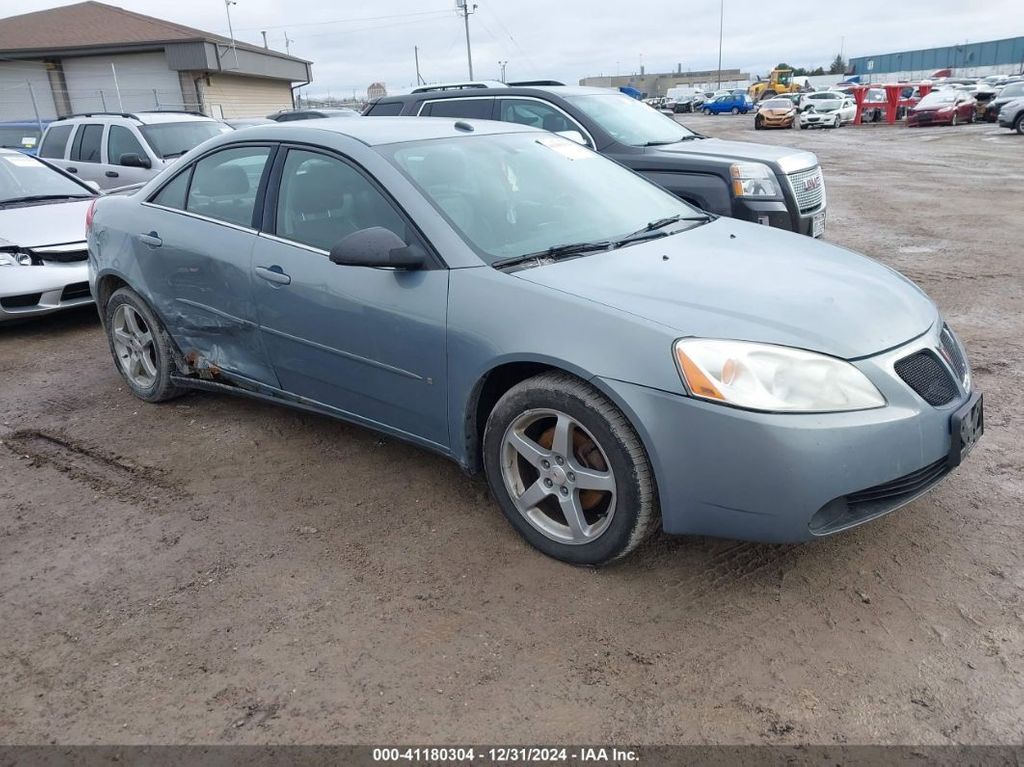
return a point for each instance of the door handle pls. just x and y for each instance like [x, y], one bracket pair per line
[152, 239]
[111, 174]
[71, 170]
[274, 274]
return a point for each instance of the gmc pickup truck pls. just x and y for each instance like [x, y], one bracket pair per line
[770, 185]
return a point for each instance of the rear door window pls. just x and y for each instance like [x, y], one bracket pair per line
[537, 114]
[479, 109]
[224, 184]
[86, 147]
[55, 142]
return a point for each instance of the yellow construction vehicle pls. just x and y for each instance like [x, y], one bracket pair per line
[779, 81]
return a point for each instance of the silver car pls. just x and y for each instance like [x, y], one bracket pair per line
[42, 238]
[612, 358]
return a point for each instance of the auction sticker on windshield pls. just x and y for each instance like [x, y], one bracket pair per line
[567, 148]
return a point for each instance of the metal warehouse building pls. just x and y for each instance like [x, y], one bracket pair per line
[96, 57]
[968, 60]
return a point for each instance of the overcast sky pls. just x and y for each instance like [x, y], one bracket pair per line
[352, 44]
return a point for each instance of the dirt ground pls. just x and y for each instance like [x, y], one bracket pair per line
[215, 570]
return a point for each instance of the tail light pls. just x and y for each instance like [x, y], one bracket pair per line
[89, 215]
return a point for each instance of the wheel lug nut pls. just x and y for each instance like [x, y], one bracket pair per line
[547, 483]
[572, 477]
[560, 460]
[546, 464]
[565, 490]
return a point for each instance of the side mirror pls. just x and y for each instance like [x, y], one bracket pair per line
[133, 160]
[377, 247]
[573, 135]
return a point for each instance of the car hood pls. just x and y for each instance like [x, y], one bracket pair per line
[735, 280]
[33, 226]
[789, 159]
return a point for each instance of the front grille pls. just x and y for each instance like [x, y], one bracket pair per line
[809, 188]
[872, 502]
[20, 302]
[953, 351]
[61, 256]
[905, 486]
[75, 290]
[924, 373]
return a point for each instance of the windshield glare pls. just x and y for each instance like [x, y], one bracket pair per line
[629, 121]
[23, 176]
[174, 139]
[514, 194]
[938, 97]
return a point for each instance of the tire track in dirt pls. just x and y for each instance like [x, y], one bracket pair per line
[106, 474]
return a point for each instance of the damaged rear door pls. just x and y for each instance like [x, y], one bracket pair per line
[194, 244]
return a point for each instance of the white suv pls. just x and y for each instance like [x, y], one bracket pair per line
[116, 149]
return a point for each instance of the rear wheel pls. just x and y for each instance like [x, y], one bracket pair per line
[140, 346]
[735, 110]
[569, 471]
[835, 123]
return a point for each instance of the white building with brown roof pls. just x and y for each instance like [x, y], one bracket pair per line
[91, 57]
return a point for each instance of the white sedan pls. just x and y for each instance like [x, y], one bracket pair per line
[826, 110]
[43, 265]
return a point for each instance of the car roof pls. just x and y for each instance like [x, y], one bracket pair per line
[510, 90]
[375, 131]
[146, 118]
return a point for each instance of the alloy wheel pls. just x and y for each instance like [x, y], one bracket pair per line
[558, 476]
[134, 347]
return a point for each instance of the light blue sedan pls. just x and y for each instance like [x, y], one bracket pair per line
[612, 358]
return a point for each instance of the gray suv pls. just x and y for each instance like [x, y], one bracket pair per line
[770, 185]
[119, 148]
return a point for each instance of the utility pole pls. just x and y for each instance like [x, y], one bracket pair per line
[503, 64]
[231, 31]
[287, 43]
[264, 33]
[416, 53]
[35, 107]
[721, 26]
[117, 87]
[463, 5]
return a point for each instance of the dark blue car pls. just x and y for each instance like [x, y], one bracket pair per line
[23, 135]
[737, 102]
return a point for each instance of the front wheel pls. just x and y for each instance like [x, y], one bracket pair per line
[956, 119]
[835, 123]
[1018, 124]
[735, 110]
[140, 346]
[569, 471]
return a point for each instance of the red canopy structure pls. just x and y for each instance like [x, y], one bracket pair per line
[893, 100]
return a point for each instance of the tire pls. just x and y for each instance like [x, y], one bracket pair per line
[142, 354]
[707, 112]
[599, 437]
[735, 110]
[956, 120]
[758, 125]
[835, 124]
[1018, 124]
[803, 126]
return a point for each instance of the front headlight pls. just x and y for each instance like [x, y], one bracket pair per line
[15, 259]
[753, 179]
[772, 378]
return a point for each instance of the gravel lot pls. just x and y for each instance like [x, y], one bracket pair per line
[215, 570]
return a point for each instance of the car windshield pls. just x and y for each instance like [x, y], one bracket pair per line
[629, 121]
[13, 137]
[515, 194]
[174, 139]
[936, 98]
[1013, 89]
[23, 177]
[777, 104]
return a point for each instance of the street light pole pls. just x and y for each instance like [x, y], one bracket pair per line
[231, 32]
[503, 64]
[721, 25]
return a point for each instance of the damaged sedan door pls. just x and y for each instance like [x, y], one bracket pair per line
[193, 246]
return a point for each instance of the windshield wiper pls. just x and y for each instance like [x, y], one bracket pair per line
[169, 155]
[42, 197]
[650, 231]
[552, 254]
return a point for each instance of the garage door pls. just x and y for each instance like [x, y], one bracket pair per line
[143, 80]
[19, 81]
[235, 96]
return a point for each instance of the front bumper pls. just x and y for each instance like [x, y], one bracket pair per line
[1005, 121]
[818, 119]
[734, 473]
[32, 291]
